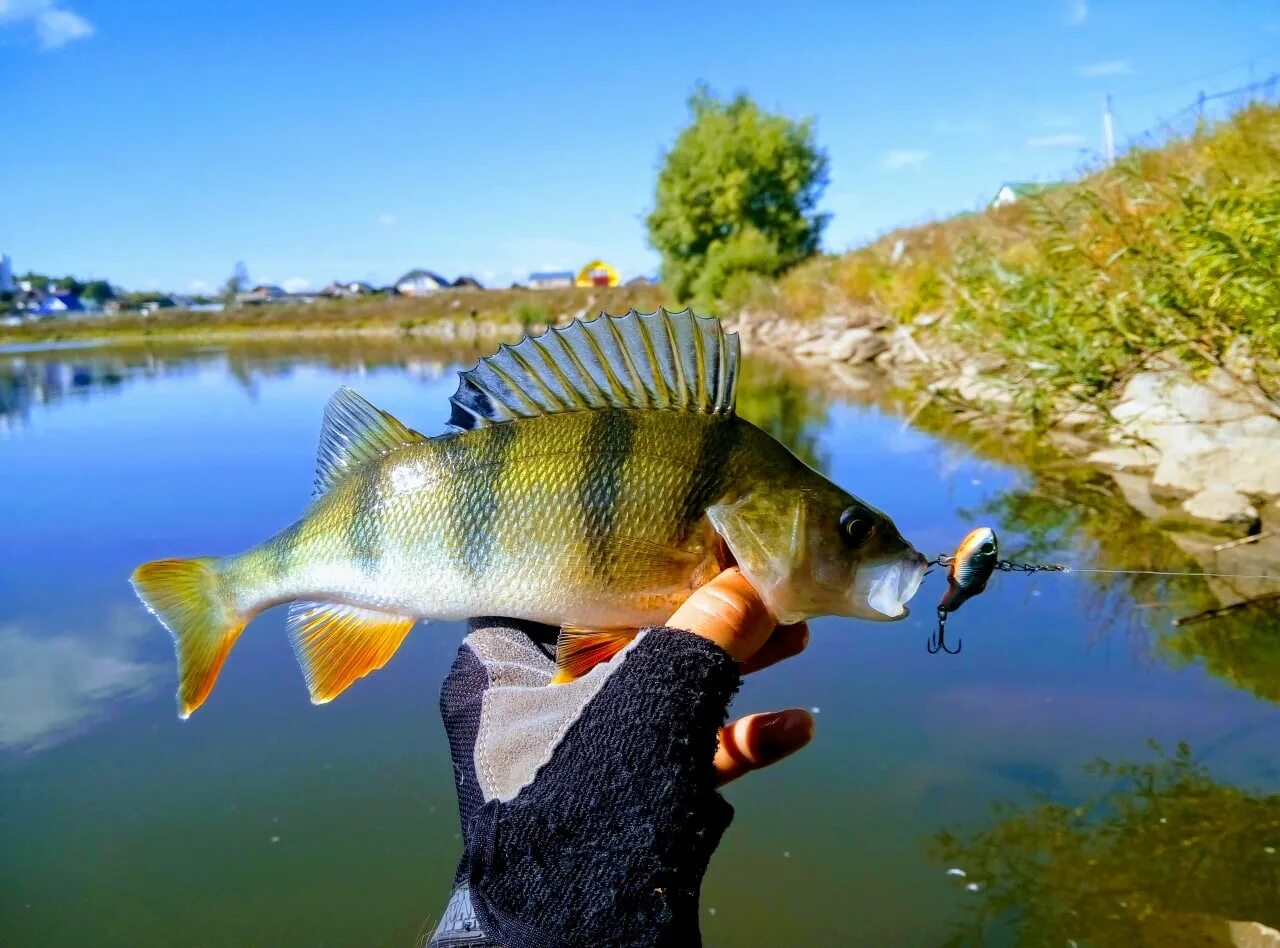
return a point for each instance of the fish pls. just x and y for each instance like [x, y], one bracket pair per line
[590, 477]
[971, 566]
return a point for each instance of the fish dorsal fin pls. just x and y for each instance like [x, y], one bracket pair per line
[354, 432]
[660, 361]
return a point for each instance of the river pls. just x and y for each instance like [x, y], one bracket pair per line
[1031, 787]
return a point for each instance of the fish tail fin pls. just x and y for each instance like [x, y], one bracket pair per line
[192, 601]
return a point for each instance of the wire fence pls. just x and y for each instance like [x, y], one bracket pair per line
[1207, 109]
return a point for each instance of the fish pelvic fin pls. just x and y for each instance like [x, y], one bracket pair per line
[580, 650]
[191, 600]
[660, 361]
[336, 643]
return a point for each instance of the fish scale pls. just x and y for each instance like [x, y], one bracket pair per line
[591, 478]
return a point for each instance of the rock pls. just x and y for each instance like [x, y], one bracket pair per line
[1136, 489]
[857, 345]
[1222, 504]
[1126, 457]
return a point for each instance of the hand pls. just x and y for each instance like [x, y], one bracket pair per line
[729, 612]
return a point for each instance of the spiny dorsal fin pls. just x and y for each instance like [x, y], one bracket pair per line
[354, 432]
[661, 361]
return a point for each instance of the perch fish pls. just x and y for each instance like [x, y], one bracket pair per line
[591, 477]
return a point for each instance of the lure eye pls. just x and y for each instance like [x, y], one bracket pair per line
[856, 525]
[988, 547]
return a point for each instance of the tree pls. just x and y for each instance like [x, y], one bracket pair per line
[737, 193]
[236, 284]
[98, 290]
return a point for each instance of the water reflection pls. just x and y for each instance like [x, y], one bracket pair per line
[1162, 853]
[54, 684]
[958, 731]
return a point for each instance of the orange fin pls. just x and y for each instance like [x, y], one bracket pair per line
[336, 643]
[580, 650]
[191, 601]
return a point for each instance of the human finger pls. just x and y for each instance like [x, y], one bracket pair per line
[786, 641]
[729, 612]
[759, 740]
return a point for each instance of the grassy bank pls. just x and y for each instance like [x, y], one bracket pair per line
[1172, 255]
[376, 315]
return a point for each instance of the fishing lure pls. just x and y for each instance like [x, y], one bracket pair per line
[968, 570]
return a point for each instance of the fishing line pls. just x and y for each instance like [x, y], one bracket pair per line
[975, 560]
[1139, 572]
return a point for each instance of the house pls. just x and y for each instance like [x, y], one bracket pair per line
[59, 304]
[344, 290]
[1011, 192]
[641, 281]
[597, 273]
[263, 293]
[551, 280]
[420, 283]
[467, 283]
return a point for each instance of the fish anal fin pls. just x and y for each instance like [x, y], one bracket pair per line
[336, 643]
[580, 650]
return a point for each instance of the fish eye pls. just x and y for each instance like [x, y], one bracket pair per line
[856, 525]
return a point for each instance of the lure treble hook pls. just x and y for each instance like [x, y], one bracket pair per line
[938, 638]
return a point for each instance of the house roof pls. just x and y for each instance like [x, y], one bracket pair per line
[1025, 189]
[418, 274]
[469, 281]
[552, 275]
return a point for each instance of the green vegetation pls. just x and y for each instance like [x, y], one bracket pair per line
[1172, 255]
[1165, 855]
[736, 198]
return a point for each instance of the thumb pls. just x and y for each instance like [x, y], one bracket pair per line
[729, 612]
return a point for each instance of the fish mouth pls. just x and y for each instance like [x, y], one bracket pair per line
[895, 584]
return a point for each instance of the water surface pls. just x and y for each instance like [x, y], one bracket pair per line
[266, 820]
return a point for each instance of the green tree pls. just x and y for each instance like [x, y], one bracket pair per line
[737, 193]
[98, 290]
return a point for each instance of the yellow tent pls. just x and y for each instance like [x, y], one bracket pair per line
[597, 273]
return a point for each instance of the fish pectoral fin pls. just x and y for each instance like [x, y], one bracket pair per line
[580, 650]
[337, 643]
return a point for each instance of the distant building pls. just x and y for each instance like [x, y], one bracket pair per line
[59, 304]
[1011, 192]
[551, 280]
[6, 274]
[343, 290]
[641, 281]
[467, 283]
[597, 273]
[420, 283]
[263, 293]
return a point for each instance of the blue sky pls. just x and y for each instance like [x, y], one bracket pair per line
[157, 143]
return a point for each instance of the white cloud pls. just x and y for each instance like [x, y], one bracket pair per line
[295, 284]
[388, 220]
[1060, 140]
[53, 685]
[54, 26]
[896, 158]
[1108, 67]
[1077, 13]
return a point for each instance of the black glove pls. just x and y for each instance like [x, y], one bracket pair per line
[589, 810]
